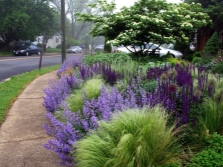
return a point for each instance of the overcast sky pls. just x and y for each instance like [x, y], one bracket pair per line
[127, 3]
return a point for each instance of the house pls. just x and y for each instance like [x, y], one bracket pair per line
[51, 42]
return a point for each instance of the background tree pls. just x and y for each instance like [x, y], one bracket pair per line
[213, 44]
[24, 19]
[214, 8]
[78, 28]
[14, 19]
[101, 10]
[47, 24]
[146, 21]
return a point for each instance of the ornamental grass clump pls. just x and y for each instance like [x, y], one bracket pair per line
[91, 89]
[128, 69]
[213, 114]
[133, 138]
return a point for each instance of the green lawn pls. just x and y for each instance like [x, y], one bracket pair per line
[11, 89]
[48, 50]
[6, 53]
[53, 50]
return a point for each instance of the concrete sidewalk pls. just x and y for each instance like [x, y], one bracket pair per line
[22, 135]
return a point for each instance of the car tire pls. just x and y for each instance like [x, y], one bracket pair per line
[173, 55]
[27, 53]
[38, 53]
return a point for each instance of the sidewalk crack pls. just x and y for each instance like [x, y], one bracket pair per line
[24, 140]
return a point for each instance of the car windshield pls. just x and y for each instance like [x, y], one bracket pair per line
[73, 47]
[23, 47]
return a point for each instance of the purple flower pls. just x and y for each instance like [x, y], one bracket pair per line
[172, 88]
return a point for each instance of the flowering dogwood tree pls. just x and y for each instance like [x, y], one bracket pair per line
[146, 21]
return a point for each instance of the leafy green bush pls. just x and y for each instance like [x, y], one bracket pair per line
[180, 46]
[70, 41]
[197, 60]
[135, 137]
[196, 54]
[213, 44]
[149, 85]
[206, 60]
[106, 58]
[91, 88]
[59, 46]
[185, 49]
[107, 47]
[174, 61]
[212, 154]
[188, 56]
[217, 69]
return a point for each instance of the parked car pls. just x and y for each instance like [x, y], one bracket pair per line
[150, 47]
[99, 48]
[74, 49]
[27, 50]
[128, 49]
[22, 44]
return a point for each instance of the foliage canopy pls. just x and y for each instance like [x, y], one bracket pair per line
[147, 21]
[25, 20]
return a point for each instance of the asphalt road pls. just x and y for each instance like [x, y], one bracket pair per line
[10, 66]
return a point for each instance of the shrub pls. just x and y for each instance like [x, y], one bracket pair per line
[217, 69]
[135, 137]
[196, 54]
[188, 56]
[107, 47]
[206, 60]
[173, 60]
[180, 46]
[197, 60]
[185, 49]
[106, 58]
[212, 154]
[219, 58]
[213, 44]
[150, 86]
[59, 46]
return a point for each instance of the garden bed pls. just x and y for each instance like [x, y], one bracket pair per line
[119, 112]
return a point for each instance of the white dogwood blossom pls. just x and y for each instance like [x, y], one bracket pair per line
[148, 21]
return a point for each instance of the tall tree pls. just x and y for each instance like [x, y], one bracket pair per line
[214, 8]
[24, 19]
[78, 28]
[146, 21]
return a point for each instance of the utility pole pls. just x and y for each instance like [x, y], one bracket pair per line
[63, 30]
